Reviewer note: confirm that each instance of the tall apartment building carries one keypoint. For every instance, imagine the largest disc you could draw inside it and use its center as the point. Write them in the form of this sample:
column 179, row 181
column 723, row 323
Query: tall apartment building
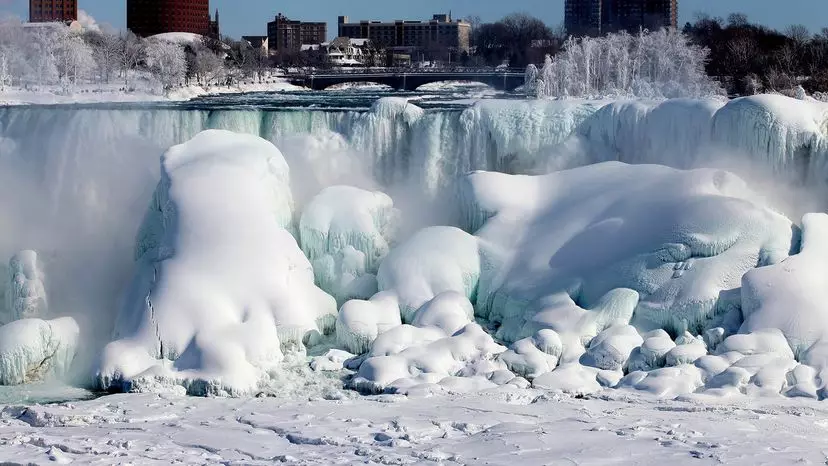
column 595, row 17
column 440, row 31
column 43, row 11
column 285, row 35
column 150, row 17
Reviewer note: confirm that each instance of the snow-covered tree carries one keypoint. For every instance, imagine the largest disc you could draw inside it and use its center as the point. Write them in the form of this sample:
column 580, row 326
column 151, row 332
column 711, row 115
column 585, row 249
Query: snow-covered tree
column 73, row 57
column 167, row 61
column 650, row 64
column 105, row 50
column 130, row 53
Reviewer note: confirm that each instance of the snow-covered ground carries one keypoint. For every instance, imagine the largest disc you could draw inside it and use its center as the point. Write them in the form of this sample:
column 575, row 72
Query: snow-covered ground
column 82, row 94
column 497, row 427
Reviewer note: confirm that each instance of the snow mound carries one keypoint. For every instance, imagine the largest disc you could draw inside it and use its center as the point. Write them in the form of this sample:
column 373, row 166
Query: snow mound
column 25, row 291
column 681, row 240
column 359, row 322
column 33, row 350
column 346, row 232
column 791, row 296
column 652, row 352
column 434, row 260
column 449, row 311
column 221, row 287
column 611, row 349
column 535, row 355
column 408, row 356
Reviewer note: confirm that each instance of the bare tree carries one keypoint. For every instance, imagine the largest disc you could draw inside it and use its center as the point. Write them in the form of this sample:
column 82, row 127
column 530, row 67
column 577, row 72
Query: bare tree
column 130, row 54
column 799, row 33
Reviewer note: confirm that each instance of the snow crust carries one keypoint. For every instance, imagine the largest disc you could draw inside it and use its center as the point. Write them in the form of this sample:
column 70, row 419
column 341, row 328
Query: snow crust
column 221, row 287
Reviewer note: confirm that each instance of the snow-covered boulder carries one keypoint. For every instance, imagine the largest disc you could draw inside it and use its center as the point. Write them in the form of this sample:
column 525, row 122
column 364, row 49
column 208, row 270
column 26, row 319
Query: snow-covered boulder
column 686, row 351
column 534, row 356
column 791, row 296
column 25, row 289
column 221, row 287
column 449, row 311
column 432, row 261
column 651, row 354
column 33, row 350
column 611, row 349
column 346, row 232
column 359, row 322
column 409, row 355
column 643, row 242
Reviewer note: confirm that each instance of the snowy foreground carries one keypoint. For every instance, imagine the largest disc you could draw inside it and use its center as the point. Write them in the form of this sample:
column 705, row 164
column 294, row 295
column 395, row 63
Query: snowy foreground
column 496, row 427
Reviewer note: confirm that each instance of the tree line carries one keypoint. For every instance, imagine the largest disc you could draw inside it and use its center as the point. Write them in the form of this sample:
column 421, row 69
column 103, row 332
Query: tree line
column 52, row 54
column 750, row 58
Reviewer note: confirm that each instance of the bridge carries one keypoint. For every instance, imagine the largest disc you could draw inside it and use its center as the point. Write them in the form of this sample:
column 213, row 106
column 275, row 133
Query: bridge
column 408, row 80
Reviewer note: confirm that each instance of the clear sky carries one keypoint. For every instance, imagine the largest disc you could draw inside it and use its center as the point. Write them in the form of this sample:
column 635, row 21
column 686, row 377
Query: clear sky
column 249, row 17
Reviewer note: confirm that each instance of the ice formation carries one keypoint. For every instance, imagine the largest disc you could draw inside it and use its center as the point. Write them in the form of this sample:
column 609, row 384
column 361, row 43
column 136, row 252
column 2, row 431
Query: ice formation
column 346, row 232
column 25, row 290
column 360, row 322
column 33, row 350
column 221, row 286
column 433, row 261
column 681, row 240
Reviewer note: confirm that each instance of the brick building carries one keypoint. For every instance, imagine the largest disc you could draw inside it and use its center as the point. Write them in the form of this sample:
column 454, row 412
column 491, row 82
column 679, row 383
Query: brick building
column 439, row 32
column 43, row 11
column 150, row 17
column 596, row 17
column 285, row 35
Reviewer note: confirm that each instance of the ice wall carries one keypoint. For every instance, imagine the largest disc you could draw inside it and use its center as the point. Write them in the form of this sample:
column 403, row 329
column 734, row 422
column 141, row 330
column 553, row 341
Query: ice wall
column 221, row 287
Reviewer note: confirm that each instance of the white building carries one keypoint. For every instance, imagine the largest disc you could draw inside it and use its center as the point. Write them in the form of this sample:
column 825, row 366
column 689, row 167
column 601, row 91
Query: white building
column 344, row 51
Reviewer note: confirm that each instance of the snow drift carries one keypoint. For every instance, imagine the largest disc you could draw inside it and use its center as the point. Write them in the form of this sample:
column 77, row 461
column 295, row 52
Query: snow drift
column 221, row 286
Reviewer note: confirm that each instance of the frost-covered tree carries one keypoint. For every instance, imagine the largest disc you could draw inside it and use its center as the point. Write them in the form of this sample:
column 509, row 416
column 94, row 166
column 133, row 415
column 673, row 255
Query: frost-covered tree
column 130, row 53
column 650, row 65
column 105, row 50
column 73, row 57
column 167, row 61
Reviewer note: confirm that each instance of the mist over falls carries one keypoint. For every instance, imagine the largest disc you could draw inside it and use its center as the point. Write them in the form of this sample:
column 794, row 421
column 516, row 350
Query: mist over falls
column 75, row 182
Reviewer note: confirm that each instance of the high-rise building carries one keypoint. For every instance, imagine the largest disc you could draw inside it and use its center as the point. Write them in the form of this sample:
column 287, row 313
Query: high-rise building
column 595, row 17
column 42, row 11
column 285, row 35
column 439, row 32
column 150, row 17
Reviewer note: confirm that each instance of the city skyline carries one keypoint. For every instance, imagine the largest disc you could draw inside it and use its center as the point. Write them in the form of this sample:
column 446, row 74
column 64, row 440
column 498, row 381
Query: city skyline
column 253, row 19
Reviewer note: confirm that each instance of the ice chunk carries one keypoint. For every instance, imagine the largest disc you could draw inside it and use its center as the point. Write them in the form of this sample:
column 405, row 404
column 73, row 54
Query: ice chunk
column 449, row 311
column 359, row 323
column 434, row 260
column 346, row 232
column 759, row 342
column 33, row 350
column 25, row 291
column 687, row 350
column 652, row 352
column 667, row 382
column 535, row 355
column 221, row 286
column 679, row 240
column 410, row 355
column 612, row 347
column 791, row 296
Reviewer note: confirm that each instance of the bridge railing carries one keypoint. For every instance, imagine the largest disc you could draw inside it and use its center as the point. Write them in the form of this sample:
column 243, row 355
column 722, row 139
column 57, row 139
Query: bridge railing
column 400, row 71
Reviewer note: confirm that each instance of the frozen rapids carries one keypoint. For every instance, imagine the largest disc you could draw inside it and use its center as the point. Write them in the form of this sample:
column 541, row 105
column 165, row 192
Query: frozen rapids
column 568, row 245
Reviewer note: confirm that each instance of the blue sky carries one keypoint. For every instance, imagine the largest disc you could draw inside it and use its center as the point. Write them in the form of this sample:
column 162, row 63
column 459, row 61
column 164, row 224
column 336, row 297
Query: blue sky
column 249, row 17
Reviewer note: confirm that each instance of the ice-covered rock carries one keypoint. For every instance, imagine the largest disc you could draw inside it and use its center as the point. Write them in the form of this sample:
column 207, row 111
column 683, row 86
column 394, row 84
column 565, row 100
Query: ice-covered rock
column 432, row 261
column 221, row 286
column 611, row 349
column 766, row 341
column 449, row 311
column 652, row 352
column 572, row 378
column 410, row 355
column 791, row 296
column 667, row 382
column 359, row 322
column 534, row 356
column 679, row 240
column 687, row 350
column 25, row 289
column 346, row 232
column 33, row 350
